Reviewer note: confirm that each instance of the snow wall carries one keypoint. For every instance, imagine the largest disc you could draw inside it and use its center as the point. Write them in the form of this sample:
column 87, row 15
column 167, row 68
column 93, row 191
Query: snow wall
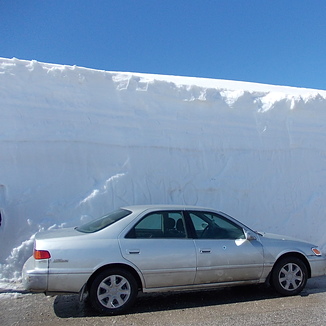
column 76, row 143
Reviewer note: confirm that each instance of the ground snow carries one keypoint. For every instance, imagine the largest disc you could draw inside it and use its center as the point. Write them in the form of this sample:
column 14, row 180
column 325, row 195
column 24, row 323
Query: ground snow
column 77, row 143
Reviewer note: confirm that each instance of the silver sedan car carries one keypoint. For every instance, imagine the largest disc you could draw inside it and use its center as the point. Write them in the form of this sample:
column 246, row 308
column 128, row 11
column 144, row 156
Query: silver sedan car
column 164, row 248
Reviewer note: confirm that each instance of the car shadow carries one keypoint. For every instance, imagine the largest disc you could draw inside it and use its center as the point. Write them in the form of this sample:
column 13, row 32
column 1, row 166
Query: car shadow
column 13, row 291
column 69, row 306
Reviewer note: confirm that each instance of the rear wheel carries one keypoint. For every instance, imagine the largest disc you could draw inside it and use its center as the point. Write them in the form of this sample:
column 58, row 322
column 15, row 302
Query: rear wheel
column 289, row 276
column 113, row 291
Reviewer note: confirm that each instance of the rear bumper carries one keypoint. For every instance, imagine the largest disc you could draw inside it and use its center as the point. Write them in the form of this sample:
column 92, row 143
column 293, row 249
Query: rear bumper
column 33, row 279
column 36, row 278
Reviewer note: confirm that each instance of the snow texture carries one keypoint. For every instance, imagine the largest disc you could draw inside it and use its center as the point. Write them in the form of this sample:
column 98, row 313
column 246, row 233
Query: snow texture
column 77, row 143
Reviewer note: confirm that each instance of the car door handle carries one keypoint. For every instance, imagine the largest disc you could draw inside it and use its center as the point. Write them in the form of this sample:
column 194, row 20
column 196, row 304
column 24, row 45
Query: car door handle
column 205, row 251
column 133, row 251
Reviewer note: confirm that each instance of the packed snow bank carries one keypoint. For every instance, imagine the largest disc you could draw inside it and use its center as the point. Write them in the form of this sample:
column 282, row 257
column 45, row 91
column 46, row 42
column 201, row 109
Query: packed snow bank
column 77, row 143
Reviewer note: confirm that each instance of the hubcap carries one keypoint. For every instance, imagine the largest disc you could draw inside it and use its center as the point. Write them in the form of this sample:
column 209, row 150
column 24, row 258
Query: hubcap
column 290, row 276
column 114, row 291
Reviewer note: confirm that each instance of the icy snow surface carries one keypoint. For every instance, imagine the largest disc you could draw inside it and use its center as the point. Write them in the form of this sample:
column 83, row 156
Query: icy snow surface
column 77, row 143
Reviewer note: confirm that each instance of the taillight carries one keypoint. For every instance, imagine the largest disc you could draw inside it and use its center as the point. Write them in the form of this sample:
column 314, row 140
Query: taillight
column 41, row 254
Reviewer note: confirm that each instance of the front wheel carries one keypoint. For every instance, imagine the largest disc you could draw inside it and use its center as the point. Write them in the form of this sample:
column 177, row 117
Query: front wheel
column 113, row 291
column 289, row 276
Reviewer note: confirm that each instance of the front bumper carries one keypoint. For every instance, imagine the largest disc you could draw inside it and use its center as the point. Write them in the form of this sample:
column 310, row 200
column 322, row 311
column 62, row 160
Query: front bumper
column 34, row 279
column 318, row 266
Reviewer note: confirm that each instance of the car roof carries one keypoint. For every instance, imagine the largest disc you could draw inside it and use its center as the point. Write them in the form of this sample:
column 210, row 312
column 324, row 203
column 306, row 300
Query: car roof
column 140, row 208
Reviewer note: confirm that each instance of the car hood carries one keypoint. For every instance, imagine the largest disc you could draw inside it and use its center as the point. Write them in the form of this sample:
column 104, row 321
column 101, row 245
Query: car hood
column 279, row 237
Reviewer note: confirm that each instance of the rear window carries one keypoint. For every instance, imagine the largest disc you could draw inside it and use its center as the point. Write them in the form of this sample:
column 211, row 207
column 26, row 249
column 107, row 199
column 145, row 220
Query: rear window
column 103, row 221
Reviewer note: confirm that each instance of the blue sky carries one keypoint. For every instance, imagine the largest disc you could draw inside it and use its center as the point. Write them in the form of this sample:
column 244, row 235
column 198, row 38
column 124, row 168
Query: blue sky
column 281, row 42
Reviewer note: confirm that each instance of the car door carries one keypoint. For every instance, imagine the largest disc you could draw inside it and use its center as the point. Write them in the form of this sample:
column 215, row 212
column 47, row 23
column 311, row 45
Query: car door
column 160, row 248
column 223, row 253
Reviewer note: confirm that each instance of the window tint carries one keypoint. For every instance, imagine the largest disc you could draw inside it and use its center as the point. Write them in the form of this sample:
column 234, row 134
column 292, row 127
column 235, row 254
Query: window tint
column 214, row 226
column 151, row 222
column 103, row 221
column 159, row 225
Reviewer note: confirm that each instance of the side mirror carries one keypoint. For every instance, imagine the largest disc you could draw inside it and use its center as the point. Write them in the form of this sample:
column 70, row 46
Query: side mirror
column 250, row 236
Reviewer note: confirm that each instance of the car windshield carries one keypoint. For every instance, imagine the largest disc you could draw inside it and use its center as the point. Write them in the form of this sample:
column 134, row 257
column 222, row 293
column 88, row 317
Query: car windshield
column 103, row 221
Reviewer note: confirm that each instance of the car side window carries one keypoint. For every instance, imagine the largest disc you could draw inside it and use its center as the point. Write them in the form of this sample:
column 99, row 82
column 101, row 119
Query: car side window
column 159, row 225
column 213, row 226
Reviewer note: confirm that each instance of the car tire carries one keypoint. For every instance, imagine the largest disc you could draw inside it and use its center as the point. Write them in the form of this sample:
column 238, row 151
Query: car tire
column 289, row 276
column 113, row 291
